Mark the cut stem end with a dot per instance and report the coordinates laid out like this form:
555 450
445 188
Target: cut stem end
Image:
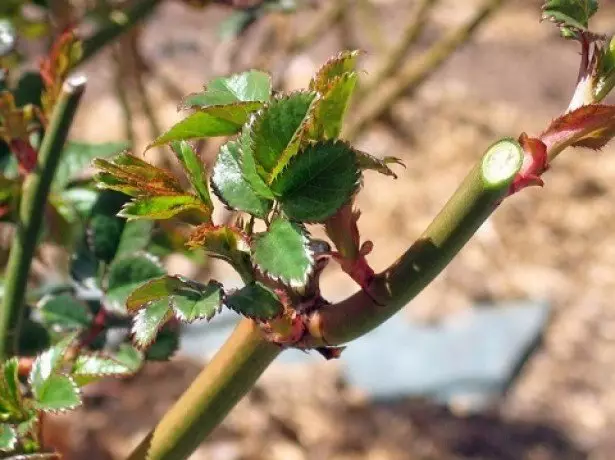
501 163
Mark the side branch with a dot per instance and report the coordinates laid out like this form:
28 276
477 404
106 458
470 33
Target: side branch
31 211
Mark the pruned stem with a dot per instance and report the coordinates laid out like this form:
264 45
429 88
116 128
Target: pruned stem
215 391
411 76
247 354
31 211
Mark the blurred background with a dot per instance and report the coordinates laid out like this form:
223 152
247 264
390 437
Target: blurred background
510 353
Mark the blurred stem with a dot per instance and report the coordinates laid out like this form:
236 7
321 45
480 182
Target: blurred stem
393 59
410 77
31 211
122 96
321 25
247 354
117 23
214 392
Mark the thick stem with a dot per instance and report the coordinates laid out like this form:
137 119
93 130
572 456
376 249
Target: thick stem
31 211
410 77
475 199
116 25
216 390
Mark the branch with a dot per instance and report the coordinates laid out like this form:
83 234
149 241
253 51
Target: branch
409 37
31 211
116 25
247 354
416 71
215 391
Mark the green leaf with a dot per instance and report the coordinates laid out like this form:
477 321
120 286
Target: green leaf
230 185
59 393
248 165
192 305
283 253
277 130
571 16
344 62
89 368
195 169
255 301
161 207
331 108
243 87
213 121
104 228
64 312
8 437
47 363
77 156
128 273
135 237
318 181
165 345
149 320
11 404
366 161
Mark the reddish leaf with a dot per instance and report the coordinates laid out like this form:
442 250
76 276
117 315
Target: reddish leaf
590 126
535 163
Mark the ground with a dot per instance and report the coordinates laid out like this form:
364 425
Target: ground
555 244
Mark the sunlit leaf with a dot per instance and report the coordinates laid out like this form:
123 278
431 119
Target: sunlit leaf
282 252
195 169
213 121
318 181
230 185
59 393
331 108
276 132
161 207
46 364
571 16
89 368
252 85
149 320
344 62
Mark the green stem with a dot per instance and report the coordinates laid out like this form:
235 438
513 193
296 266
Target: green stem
117 23
246 354
31 211
215 391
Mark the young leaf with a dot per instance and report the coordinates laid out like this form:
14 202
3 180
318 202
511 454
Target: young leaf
212 121
128 273
128 174
331 108
590 126
318 181
277 130
367 161
230 185
89 368
149 320
193 165
225 243
247 86
283 253
64 312
77 156
255 301
161 207
8 437
58 393
344 62
571 16
194 305
47 363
